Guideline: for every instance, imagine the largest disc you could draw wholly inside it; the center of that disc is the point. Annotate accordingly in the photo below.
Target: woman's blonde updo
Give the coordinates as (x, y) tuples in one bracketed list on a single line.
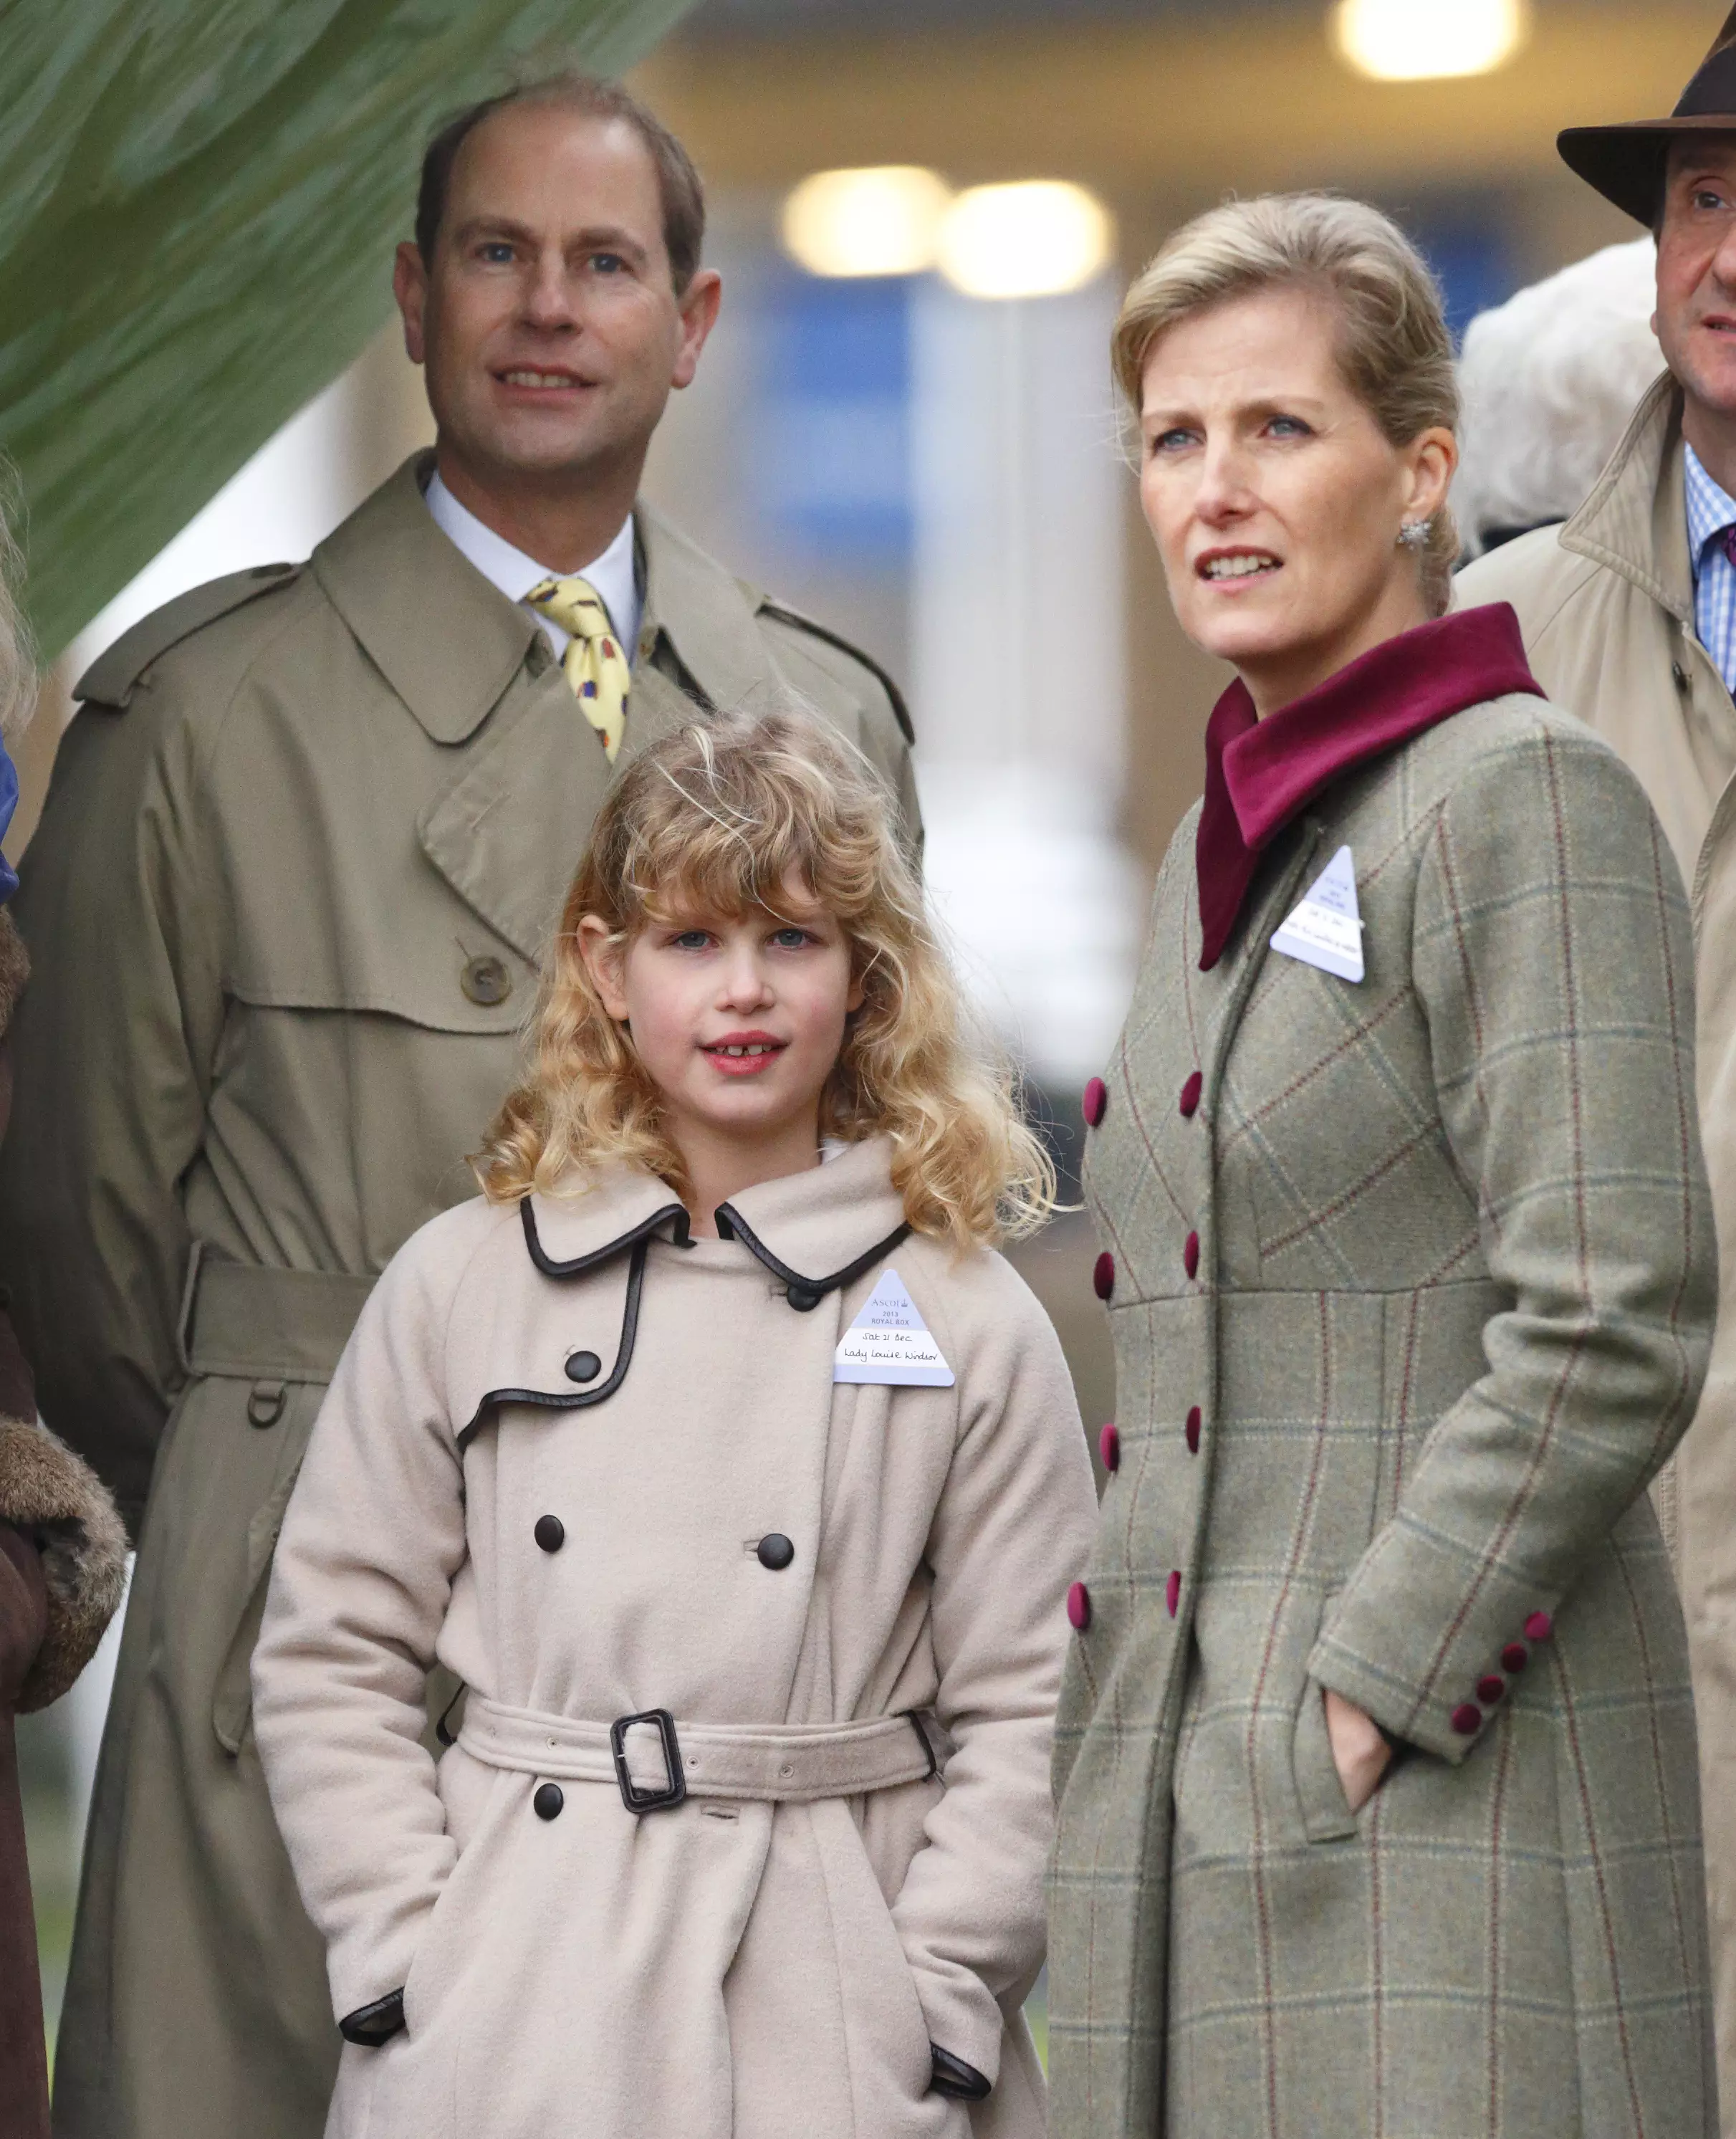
[(1394, 347)]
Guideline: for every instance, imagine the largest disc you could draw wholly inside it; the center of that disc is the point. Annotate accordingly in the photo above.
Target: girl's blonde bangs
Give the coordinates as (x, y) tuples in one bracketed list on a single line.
[(723, 817)]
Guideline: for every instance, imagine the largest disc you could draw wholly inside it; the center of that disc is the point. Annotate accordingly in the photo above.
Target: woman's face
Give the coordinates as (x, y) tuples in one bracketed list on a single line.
[(1275, 500)]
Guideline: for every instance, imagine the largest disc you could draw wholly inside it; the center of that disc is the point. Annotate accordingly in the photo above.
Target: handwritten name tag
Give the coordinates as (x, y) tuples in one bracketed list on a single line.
[(1326, 930), (890, 1343)]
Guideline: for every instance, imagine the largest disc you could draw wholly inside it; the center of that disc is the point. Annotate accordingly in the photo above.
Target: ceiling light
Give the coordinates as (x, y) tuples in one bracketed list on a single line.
[(1422, 40), (1033, 239), (883, 220)]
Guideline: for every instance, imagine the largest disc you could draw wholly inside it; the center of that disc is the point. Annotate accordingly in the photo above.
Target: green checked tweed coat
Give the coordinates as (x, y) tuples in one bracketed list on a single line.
[(1454, 1283)]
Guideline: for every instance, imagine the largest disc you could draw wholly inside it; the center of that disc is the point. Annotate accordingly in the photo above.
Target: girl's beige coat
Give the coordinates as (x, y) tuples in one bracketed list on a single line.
[(721, 1971)]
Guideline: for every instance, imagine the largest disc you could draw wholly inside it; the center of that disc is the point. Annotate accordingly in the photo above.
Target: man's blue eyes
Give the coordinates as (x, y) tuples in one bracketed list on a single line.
[(498, 253)]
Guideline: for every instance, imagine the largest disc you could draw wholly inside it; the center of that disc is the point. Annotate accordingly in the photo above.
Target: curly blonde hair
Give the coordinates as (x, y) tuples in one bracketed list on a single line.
[(1394, 346), (721, 815)]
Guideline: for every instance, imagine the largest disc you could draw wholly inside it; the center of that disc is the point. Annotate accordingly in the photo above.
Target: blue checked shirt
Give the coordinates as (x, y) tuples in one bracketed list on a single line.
[(1710, 511)]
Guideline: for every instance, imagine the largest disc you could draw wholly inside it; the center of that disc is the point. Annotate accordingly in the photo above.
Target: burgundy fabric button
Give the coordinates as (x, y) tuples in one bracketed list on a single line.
[(1192, 1431), (1078, 1607), (1467, 1719), (1108, 1446), (1102, 1275), (1095, 1104), (1190, 1255), (1490, 1690), (1190, 1092), (1172, 1591), (1515, 1657), (1539, 1627)]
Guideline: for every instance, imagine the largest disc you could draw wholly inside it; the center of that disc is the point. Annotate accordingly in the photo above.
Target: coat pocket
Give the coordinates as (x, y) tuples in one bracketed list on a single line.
[(1326, 1813)]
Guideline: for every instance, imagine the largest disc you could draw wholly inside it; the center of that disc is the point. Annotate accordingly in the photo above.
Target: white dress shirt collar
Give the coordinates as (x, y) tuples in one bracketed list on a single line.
[(612, 575)]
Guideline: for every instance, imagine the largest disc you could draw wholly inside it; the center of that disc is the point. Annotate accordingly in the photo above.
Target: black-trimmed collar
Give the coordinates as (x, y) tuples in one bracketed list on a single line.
[(815, 1231)]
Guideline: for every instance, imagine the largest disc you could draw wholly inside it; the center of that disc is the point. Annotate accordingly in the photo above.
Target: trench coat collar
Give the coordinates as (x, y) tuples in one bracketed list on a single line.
[(445, 638), (816, 1230), (1635, 519), (705, 617), (1260, 773), (449, 642)]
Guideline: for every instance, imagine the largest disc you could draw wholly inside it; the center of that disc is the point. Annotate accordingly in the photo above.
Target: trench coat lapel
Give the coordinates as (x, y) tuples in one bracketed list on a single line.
[(445, 638), (507, 835), (1635, 519), (698, 628)]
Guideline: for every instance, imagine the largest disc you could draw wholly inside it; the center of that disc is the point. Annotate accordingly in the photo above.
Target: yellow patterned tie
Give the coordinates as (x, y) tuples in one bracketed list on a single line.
[(594, 663)]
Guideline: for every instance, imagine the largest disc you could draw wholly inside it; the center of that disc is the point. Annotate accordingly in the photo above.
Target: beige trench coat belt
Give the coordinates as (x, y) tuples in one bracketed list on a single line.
[(657, 1761), (242, 1320)]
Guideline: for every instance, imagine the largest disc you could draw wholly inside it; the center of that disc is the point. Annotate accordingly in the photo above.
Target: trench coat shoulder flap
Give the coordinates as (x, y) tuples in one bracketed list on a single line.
[(815, 1232)]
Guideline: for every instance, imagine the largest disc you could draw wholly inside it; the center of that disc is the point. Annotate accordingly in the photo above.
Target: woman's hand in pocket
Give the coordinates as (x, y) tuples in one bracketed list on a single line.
[(1360, 1754)]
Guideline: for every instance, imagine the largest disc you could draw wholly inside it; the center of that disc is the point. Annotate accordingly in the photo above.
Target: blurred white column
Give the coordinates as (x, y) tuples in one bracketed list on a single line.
[(1017, 662)]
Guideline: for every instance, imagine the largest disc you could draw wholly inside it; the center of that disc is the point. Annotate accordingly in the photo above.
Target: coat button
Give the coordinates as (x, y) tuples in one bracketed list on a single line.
[(1539, 1627), (1095, 1104), (582, 1366), (549, 1533), (1467, 1719), (1172, 1590), (1678, 675), (1515, 1657), (548, 1799), (1190, 1255), (1078, 1607), (803, 1298), (1490, 1690), (1192, 1431), (774, 1551), (1190, 1091), (1102, 1275), (1108, 1446), (485, 980)]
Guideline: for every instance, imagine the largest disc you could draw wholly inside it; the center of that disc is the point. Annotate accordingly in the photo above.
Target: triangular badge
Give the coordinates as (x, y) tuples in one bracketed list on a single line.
[(889, 1342), (1326, 930)]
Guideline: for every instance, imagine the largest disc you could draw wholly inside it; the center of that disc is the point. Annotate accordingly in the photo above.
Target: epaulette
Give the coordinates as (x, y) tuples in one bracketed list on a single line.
[(110, 679), (787, 615)]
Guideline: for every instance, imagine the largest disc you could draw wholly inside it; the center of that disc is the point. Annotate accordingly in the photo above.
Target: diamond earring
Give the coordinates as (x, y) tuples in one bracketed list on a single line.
[(1414, 534)]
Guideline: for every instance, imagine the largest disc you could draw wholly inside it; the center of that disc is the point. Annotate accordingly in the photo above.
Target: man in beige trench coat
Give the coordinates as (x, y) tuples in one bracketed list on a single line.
[(303, 844), (1629, 617)]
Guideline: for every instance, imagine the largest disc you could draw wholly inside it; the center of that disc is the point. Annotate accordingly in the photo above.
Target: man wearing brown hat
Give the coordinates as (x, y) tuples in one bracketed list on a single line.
[(1628, 614)]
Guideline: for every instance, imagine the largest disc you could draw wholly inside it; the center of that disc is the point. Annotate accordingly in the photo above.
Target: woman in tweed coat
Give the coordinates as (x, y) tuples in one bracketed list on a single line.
[(1376, 1762)]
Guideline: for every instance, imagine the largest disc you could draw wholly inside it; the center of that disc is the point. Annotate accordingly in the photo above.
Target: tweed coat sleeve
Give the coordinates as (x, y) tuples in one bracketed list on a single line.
[(372, 1541), (1012, 1529), (1552, 958)]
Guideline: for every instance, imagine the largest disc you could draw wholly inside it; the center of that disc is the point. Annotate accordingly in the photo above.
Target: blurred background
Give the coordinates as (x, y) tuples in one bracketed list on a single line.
[(925, 211)]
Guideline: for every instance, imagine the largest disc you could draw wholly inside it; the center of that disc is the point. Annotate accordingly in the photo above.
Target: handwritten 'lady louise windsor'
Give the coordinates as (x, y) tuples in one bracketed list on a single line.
[(1379, 1810)]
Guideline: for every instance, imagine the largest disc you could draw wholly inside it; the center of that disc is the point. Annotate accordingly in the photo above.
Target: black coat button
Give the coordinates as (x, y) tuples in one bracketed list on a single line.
[(775, 1551), (548, 1799), (549, 1533), (485, 980), (803, 1298), (582, 1366)]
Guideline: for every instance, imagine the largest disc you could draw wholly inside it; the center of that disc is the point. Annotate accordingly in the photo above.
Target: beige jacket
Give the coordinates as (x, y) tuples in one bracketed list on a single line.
[(776, 1955), (303, 846), (1605, 604)]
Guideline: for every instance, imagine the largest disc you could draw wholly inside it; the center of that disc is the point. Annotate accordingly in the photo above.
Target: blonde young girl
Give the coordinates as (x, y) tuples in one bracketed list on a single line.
[(741, 1483)]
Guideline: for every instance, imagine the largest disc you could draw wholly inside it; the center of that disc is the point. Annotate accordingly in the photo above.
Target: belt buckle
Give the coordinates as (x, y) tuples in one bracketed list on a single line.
[(638, 1800)]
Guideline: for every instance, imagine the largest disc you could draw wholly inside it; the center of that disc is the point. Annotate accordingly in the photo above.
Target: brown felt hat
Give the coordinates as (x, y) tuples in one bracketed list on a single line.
[(1625, 163)]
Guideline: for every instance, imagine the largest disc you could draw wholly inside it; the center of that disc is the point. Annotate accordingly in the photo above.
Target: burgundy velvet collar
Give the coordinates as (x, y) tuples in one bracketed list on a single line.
[(1259, 773)]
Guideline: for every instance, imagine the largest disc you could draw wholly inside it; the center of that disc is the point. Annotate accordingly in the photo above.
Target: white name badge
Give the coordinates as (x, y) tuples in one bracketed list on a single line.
[(1326, 930), (890, 1343)]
